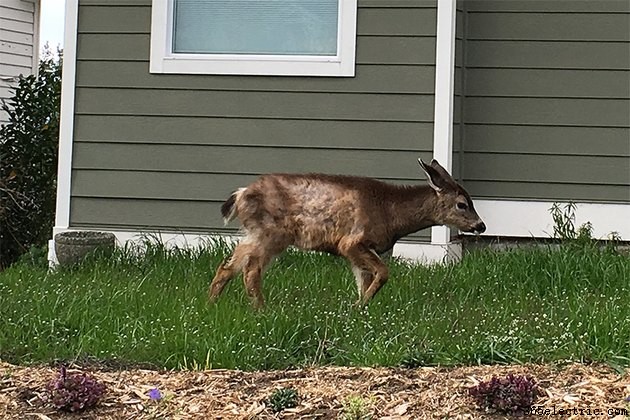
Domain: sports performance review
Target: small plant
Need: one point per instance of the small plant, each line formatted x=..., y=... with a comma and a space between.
x=283, y=398
x=74, y=392
x=511, y=394
x=564, y=227
x=417, y=357
x=357, y=408
x=564, y=221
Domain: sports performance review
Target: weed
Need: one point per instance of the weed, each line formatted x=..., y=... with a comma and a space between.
x=283, y=398
x=510, y=394
x=74, y=392
x=357, y=408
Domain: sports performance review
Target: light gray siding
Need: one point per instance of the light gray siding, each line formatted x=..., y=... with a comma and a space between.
x=158, y=151
x=18, y=44
x=546, y=106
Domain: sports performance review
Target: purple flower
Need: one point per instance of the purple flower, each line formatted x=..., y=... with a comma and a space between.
x=155, y=394
x=628, y=398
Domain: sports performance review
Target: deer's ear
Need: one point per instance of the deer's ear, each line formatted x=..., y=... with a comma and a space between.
x=436, y=181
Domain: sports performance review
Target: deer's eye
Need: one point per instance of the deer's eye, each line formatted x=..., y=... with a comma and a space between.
x=462, y=206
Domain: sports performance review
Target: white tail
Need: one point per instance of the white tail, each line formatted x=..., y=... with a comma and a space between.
x=355, y=217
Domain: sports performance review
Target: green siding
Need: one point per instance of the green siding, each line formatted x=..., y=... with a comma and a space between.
x=162, y=152
x=546, y=99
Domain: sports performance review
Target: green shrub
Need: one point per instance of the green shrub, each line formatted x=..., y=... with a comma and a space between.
x=28, y=160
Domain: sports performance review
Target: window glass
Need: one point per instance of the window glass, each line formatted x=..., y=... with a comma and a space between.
x=257, y=27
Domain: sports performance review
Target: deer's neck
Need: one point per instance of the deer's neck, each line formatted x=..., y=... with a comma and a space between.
x=412, y=209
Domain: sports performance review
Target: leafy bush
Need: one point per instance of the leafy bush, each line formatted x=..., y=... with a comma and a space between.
x=74, y=392
x=28, y=160
x=283, y=398
x=511, y=394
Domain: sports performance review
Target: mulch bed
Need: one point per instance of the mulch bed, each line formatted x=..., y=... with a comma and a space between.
x=323, y=392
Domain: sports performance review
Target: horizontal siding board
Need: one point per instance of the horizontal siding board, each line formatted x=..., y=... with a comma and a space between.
x=255, y=132
x=398, y=3
x=548, y=191
x=114, y=18
x=16, y=49
x=545, y=111
x=16, y=37
x=18, y=15
x=260, y=105
x=27, y=6
x=6, y=91
x=548, y=83
x=15, y=60
x=588, y=141
x=606, y=6
x=371, y=21
x=595, y=170
x=535, y=54
x=146, y=214
x=417, y=22
x=16, y=26
x=14, y=70
x=368, y=79
x=396, y=50
x=247, y=160
x=549, y=26
x=370, y=49
x=156, y=185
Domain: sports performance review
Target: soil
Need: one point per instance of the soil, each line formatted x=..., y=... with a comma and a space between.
x=323, y=393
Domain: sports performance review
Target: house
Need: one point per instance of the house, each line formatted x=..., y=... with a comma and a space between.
x=168, y=106
x=19, y=44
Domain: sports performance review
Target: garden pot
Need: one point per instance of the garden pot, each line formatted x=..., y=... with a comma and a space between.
x=72, y=247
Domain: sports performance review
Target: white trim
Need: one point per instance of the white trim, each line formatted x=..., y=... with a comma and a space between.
x=419, y=252
x=36, y=35
x=444, y=97
x=66, y=128
x=533, y=219
x=428, y=253
x=163, y=60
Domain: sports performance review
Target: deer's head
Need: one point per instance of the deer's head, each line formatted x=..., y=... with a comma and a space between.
x=454, y=206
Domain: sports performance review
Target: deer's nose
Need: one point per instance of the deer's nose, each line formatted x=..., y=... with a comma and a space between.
x=480, y=227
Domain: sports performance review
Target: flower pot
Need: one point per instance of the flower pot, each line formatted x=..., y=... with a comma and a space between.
x=72, y=247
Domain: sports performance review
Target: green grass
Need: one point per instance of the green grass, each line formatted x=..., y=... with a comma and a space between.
x=527, y=305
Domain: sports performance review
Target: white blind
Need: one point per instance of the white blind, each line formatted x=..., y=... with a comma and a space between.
x=278, y=27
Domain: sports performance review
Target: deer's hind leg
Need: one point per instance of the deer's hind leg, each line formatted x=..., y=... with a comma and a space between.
x=373, y=272
x=363, y=278
x=229, y=269
x=255, y=266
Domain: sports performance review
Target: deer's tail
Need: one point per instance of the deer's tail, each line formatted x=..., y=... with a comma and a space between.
x=228, y=209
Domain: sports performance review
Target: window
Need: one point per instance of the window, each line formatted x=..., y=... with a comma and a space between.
x=254, y=37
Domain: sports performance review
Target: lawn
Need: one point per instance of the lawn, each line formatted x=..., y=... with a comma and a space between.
x=542, y=304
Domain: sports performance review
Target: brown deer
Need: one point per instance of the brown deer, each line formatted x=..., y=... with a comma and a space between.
x=355, y=217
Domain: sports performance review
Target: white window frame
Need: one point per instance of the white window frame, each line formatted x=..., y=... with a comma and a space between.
x=164, y=60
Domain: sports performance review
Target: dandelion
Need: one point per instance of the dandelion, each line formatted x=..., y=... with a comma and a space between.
x=155, y=394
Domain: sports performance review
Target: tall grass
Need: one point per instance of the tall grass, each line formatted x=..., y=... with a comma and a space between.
x=524, y=305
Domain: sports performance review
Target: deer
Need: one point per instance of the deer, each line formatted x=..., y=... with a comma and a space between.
x=354, y=217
